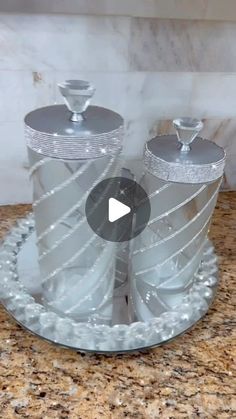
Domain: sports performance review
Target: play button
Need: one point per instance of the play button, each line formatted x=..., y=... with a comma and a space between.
x=117, y=209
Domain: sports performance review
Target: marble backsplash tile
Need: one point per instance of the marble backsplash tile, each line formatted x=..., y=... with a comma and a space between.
x=144, y=99
x=64, y=42
x=97, y=43
x=153, y=97
x=171, y=9
x=140, y=96
x=36, y=52
x=14, y=178
x=22, y=91
x=165, y=94
x=213, y=95
x=182, y=45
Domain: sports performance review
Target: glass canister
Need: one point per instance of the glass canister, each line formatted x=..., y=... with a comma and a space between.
x=71, y=149
x=182, y=177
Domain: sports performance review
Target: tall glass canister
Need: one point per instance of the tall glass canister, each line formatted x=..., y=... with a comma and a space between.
x=182, y=178
x=71, y=149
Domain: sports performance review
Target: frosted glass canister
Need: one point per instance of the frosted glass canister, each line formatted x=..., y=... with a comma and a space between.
x=182, y=176
x=71, y=149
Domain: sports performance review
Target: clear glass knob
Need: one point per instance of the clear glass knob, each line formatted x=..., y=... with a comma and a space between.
x=187, y=130
x=77, y=95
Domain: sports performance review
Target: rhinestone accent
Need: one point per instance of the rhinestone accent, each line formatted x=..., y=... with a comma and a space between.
x=72, y=148
x=183, y=173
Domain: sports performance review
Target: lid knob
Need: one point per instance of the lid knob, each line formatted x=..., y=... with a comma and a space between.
x=77, y=95
x=187, y=130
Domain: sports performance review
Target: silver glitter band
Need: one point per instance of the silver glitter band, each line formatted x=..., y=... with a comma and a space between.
x=73, y=148
x=182, y=173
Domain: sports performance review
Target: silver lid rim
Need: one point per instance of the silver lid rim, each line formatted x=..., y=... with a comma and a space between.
x=183, y=173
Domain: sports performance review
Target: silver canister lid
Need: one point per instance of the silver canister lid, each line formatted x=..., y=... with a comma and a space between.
x=75, y=130
x=184, y=157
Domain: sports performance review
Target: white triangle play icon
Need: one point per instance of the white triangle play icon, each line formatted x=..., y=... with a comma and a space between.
x=116, y=210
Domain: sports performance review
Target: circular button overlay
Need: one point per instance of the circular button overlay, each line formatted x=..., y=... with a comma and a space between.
x=118, y=209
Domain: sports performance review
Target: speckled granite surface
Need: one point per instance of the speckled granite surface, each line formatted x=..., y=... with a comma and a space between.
x=192, y=377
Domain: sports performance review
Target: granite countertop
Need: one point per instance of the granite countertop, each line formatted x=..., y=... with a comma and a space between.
x=192, y=377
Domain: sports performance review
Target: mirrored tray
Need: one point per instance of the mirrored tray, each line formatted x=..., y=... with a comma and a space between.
x=21, y=295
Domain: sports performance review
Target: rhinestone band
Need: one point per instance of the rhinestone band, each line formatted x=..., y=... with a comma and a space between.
x=72, y=148
x=183, y=173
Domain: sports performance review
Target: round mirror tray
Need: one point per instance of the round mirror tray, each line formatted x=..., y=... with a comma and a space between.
x=22, y=296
